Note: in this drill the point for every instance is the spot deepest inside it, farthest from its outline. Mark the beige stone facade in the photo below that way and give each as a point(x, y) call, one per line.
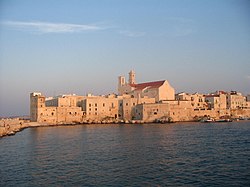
point(197, 100)
point(55, 112)
point(159, 90)
point(236, 100)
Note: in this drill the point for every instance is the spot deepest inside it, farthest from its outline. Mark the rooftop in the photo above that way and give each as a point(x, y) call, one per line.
point(141, 86)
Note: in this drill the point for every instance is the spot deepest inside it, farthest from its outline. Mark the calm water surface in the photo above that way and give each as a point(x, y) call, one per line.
point(188, 154)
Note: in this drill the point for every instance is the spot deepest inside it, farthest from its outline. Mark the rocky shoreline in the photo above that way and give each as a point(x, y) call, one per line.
point(10, 127)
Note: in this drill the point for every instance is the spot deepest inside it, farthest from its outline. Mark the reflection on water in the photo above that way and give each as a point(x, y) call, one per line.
point(128, 155)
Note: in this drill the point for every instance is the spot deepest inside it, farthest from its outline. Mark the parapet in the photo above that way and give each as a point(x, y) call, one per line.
point(36, 94)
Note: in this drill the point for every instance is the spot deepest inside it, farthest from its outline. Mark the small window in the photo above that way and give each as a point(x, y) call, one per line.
point(89, 105)
point(126, 104)
point(96, 105)
point(134, 104)
point(95, 109)
point(155, 113)
point(103, 104)
point(52, 113)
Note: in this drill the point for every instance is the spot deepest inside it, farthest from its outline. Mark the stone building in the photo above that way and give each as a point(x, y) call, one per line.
point(174, 110)
point(197, 100)
point(159, 90)
point(56, 113)
point(235, 100)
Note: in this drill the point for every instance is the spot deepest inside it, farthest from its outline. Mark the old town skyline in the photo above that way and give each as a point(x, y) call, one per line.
point(82, 46)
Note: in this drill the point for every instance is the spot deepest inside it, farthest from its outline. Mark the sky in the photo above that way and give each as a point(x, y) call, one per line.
point(82, 46)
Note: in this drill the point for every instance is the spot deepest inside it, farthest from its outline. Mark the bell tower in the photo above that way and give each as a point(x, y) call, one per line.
point(132, 77)
point(121, 83)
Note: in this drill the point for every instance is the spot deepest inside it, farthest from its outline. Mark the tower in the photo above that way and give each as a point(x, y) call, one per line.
point(131, 77)
point(37, 101)
point(121, 83)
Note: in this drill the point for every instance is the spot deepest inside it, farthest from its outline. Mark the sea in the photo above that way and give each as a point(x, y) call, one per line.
point(176, 154)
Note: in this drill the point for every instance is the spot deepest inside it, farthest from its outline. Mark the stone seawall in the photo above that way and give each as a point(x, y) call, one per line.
point(10, 127)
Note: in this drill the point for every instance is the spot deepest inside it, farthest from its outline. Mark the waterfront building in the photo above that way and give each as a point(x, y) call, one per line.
point(159, 90)
point(235, 100)
point(57, 113)
point(197, 100)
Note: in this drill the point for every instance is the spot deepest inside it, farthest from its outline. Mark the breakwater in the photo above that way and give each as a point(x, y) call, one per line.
point(9, 127)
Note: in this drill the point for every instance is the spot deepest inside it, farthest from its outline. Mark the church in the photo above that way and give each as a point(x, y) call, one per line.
point(160, 90)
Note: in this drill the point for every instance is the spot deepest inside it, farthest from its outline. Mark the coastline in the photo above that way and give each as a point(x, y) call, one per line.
point(11, 130)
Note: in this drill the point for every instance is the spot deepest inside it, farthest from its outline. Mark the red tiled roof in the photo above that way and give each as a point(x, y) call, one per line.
point(141, 86)
point(222, 92)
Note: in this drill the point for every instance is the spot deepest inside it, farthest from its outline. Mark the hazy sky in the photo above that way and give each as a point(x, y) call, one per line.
point(82, 46)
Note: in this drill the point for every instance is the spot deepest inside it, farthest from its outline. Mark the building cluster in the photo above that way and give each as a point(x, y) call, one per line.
point(147, 102)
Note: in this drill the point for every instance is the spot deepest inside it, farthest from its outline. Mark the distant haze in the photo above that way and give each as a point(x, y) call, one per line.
point(82, 47)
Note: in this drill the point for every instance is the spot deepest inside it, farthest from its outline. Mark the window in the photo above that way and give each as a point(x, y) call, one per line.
point(120, 104)
point(126, 104)
point(52, 113)
point(89, 105)
point(134, 104)
point(112, 105)
point(89, 109)
point(103, 104)
point(96, 105)
point(95, 109)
